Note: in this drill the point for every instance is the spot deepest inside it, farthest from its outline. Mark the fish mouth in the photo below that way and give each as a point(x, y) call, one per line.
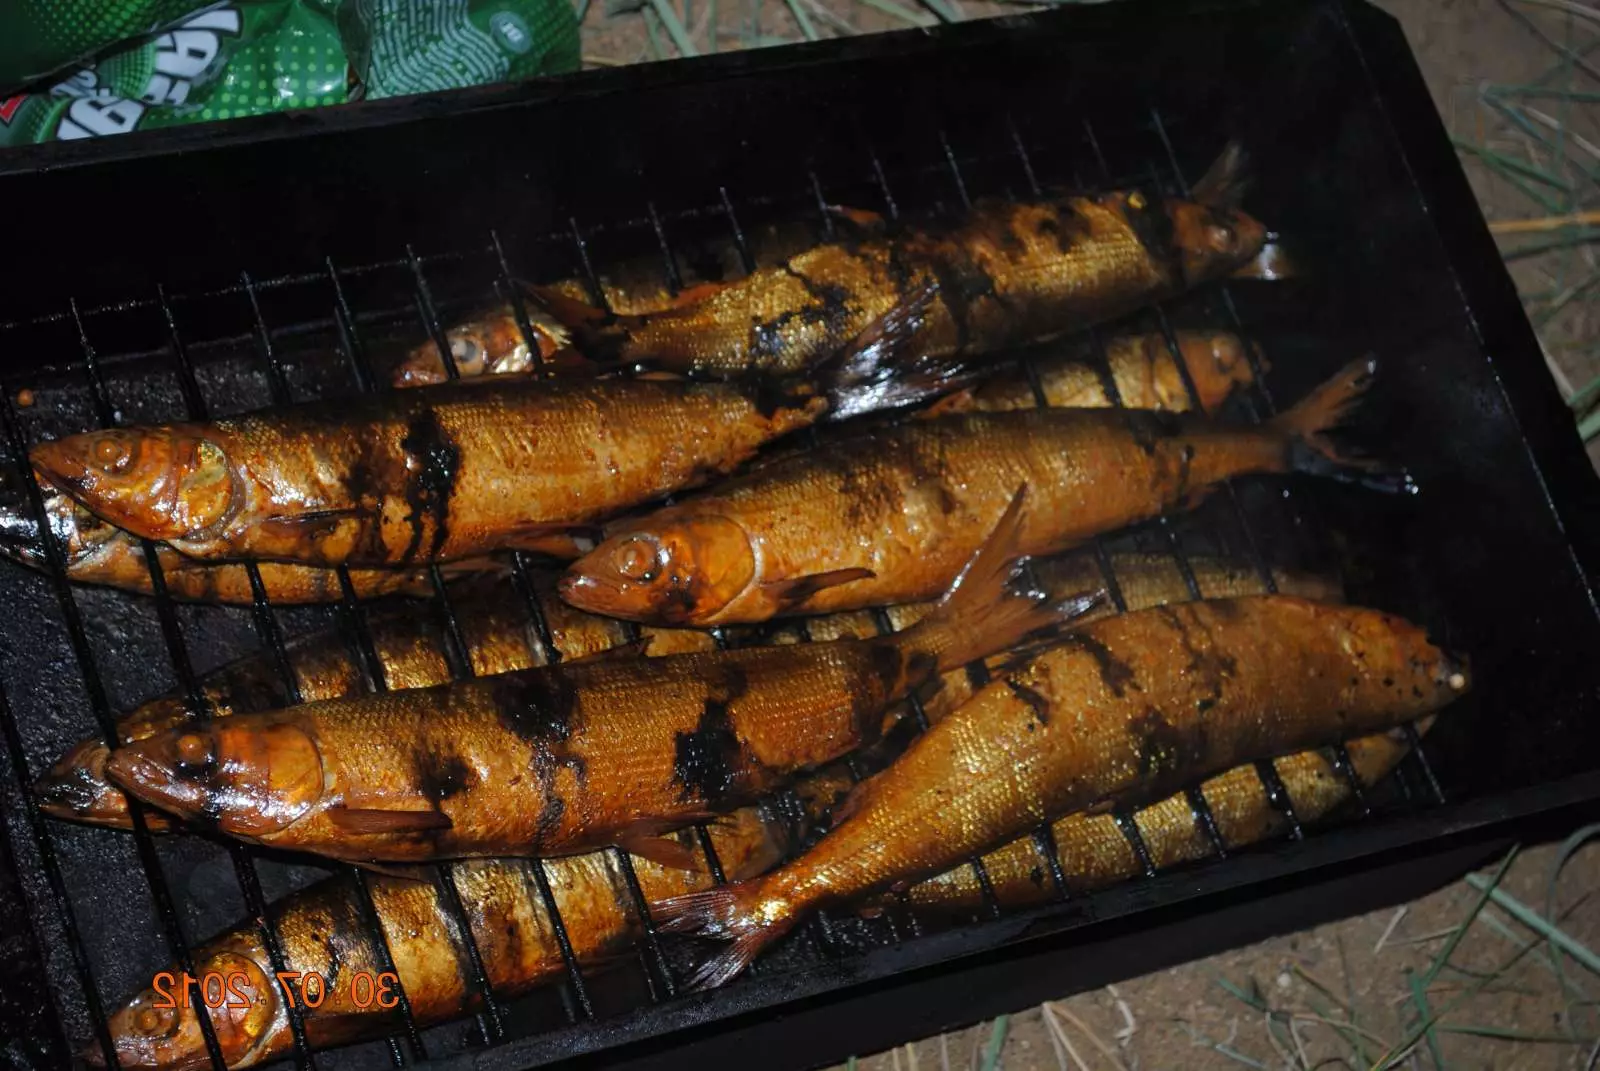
point(155, 783)
point(1455, 672)
point(591, 594)
point(75, 788)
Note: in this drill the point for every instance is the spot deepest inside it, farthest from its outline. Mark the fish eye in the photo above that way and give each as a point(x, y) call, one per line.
point(152, 1020)
point(112, 454)
point(1221, 236)
point(467, 354)
point(194, 752)
point(639, 560)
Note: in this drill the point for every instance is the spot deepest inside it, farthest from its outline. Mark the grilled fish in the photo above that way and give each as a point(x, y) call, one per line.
point(1006, 274)
point(1143, 580)
point(570, 757)
point(889, 516)
point(1141, 368)
point(490, 341)
point(1095, 853)
point(1125, 710)
point(99, 553)
point(452, 471)
point(323, 930)
point(411, 648)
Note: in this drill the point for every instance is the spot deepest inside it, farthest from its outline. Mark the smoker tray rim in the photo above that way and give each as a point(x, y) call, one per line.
point(626, 79)
point(1504, 333)
point(1194, 890)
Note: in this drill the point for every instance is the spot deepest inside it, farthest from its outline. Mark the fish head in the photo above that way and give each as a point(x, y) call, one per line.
point(677, 571)
point(76, 789)
point(155, 1030)
point(1213, 241)
point(245, 777)
point(159, 483)
point(491, 344)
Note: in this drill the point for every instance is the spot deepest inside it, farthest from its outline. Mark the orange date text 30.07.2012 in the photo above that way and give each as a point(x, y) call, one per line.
point(303, 988)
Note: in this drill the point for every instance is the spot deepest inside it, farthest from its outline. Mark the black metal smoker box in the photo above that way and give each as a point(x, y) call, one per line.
point(217, 269)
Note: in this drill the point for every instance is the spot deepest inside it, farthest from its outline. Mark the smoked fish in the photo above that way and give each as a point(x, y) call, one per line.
point(324, 932)
point(1126, 710)
point(453, 471)
point(570, 757)
point(890, 515)
point(489, 341)
point(1095, 853)
point(99, 553)
point(410, 646)
point(1141, 368)
point(1007, 273)
point(1144, 581)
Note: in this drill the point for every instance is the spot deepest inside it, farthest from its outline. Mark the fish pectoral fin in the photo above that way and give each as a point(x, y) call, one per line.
point(635, 649)
point(373, 821)
point(663, 851)
point(311, 524)
point(564, 541)
point(789, 594)
point(403, 871)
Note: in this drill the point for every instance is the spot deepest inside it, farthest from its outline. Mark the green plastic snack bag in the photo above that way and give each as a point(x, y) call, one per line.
point(42, 37)
point(249, 57)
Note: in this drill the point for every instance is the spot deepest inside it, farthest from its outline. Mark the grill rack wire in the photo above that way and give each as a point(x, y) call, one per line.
point(407, 1046)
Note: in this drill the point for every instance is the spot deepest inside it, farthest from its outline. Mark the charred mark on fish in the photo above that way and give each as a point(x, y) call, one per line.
point(432, 461)
point(1038, 704)
point(1161, 748)
point(538, 706)
point(1116, 674)
point(1147, 218)
point(441, 776)
point(706, 761)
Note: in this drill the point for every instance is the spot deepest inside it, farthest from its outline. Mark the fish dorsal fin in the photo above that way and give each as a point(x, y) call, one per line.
point(374, 821)
point(789, 594)
point(663, 851)
point(1225, 182)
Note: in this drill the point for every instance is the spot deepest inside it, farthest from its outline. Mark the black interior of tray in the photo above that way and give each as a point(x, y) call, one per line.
point(293, 252)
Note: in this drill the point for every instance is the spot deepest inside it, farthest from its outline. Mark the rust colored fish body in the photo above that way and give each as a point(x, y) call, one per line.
point(1095, 852)
point(411, 648)
point(1124, 711)
point(324, 931)
point(1143, 580)
point(569, 757)
point(889, 516)
point(1007, 273)
point(1140, 366)
point(491, 340)
point(97, 552)
point(434, 474)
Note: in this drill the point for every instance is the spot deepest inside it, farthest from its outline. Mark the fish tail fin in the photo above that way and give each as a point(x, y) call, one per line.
point(883, 368)
point(727, 913)
point(1225, 182)
point(1313, 451)
point(985, 611)
point(598, 335)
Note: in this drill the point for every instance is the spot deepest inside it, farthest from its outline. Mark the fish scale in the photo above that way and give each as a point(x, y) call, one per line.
point(565, 758)
point(1124, 710)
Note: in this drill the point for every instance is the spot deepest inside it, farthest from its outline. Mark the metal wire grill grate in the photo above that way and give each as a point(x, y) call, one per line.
point(661, 983)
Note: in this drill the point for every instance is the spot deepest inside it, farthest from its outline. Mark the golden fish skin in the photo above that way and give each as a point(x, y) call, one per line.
point(491, 342)
point(568, 757)
point(99, 553)
point(1144, 580)
point(1094, 853)
point(323, 931)
point(1125, 710)
point(410, 647)
point(1141, 367)
point(1006, 274)
point(433, 474)
point(890, 516)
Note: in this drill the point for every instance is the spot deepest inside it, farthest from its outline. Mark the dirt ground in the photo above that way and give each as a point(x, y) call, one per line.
point(1339, 995)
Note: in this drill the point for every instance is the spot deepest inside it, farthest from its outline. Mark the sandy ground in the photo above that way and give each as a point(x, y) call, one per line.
point(1270, 1005)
